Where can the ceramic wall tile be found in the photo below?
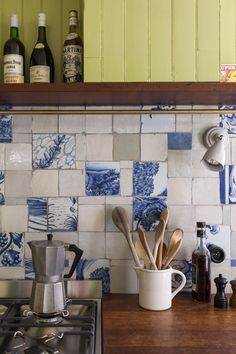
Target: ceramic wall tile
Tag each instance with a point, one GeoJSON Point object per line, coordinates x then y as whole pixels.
{"type": "Point", "coordinates": [45, 183]}
{"type": "Point", "coordinates": [150, 179]}
{"type": "Point", "coordinates": [96, 269]}
{"type": "Point", "coordinates": [18, 157]}
{"type": "Point", "coordinates": [179, 141]}
{"type": "Point", "coordinates": [12, 273]}
{"type": "Point", "coordinates": [22, 138]}
{"type": "Point", "coordinates": [153, 147]}
{"type": "Point", "coordinates": [11, 249]}
{"type": "Point", "coordinates": [2, 188]}
{"type": "Point", "coordinates": [53, 151]}
{"type": "Point", "coordinates": [117, 246]}
{"type": "Point", "coordinates": [158, 123]}
{"type": "Point", "coordinates": [5, 128]}
{"type": "Point", "coordinates": [93, 244]}
{"type": "Point", "coordinates": [184, 266]}
{"type": "Point", "coordinates": [179, 191]}
{"type": "Point", "coordinates": [2, 156]}
{"type": "Point", "coordinates": [18, 184]}
{"type": "Point", "coordinates": [126, 147]}
{"type": "Point", "coordinates": [29, 272]}
{"type": "Point", "coordinates": [232, 217]}
{"type": "Point", "coordinates": [99, 124]}
{"type": "Point", "coordinates": [99, 147]}
{"type": "Point", "coordinates": [146, 212]}
{"type": "Point", "coordinates": [198, 169]}
{"type": "Point", "coordinates": [92, 200]}
{"type": "Point", "coordinates": [228, 185]}
{"type": "Point", "coordinates": [183, 217]}
{"type": "Point", "coordinates": [71, 183]}
{"type": "Point", "coordinates": [14, 218]}
{"type": "Point", "coordinates": [91, 218]}
{"type": "Point", "coordinates": [81, 148]}
{"type": "Point", "coordinates": [233, 247]}
{"type": "Point", "coordinates": [184, 122]}
{"type": "Point", "coordinates": [22, 124]}
{"type": "Point", "coordinates": [45, 124]}
{"type": "Point", "coordinates": [228, 120]}
{"type": "Point", "coordinates": [102, 178]}
{"type": "Point", "coordinates": [126, 124]}
{"type": "Point", "coordinates": [62, 214]}
{"type": "Point", "coordinates": [71, 123]}
{"type": "Point", "coordinates": [179, 163]}
{"type": "Point", "coordinates": [226, 217]}
{"type": "Point", "coordinates": [200, 186]}
{"type": "Point", "coordinates": [110, 227]}
{"type": "Point", "coordinates": [219, 235]}
{"type": "Point", "coordinates": [202, 122]}
{"type": "Point", "coordinates": [126, 182]}
{"type": "Point", "coordinates": [123, 278]}
{"type": "Point", "coordinates": [211, 214]}
{"type": "Point", "coordinates": [37, 214]}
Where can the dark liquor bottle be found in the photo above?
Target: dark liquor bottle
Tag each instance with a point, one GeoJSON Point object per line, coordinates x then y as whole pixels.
{"type": "Point", "coordinates": [201, 267]}
{"type": "Point", "coordinates": [14, 56]}
{"type": "Point", "coordinates": [41, 61]}
{"type": "Point", "coordinates": [73, 52]}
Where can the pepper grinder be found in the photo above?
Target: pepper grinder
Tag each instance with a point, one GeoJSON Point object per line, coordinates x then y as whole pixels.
{"type": "Point", "coordinates": [220, 299]}
{"type": "Point", "coordinates": [232, 300]}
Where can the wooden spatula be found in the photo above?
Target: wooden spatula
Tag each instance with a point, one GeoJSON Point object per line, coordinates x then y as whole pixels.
{"type": "Point", "coordinates": [143, 240]}
{"type": "Point", "coordinates": [165, 217]}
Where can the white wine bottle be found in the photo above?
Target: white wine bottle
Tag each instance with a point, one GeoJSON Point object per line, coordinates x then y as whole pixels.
{"type": "Point", "coordinates": [73, 52]}
{"type": "Point", "coordinates": [41, 61]}
{"type": "Point", "coordinates": [13, 56]}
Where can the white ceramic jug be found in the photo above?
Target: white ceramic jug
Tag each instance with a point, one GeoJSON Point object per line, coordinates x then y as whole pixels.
{"type": "Point", "coordinates": [155, 291]}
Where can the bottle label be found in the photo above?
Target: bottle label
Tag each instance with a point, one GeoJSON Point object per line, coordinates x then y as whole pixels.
{"type": "Point", "coordinates": [72, 63]}
{"type": "Point", "coordinates": [39, 45]}
{"type": "Point", "coordinates": [39, 73]}
{"type": "Point", "coordinates": [13, 68]}
{"type": "Point", "coordinates": [72, 36]}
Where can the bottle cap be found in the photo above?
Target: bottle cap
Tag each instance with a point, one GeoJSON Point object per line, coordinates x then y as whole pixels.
{"type": "Point", "coordinates": [14, 20]}
{"type": "Point", "coordinates": [73, 13]}
{"type": "Point", "coordinates": [42, 19]}
{"type": "Point", "coordinates": [201, 228]}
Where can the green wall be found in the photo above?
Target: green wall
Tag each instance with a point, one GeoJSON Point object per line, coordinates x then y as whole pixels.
{"type": "Point", "coordinates": [135, 40]}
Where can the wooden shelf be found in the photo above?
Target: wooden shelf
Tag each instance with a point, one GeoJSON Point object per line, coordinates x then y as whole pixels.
{"type": "Point", "coordinates": [101, 94]}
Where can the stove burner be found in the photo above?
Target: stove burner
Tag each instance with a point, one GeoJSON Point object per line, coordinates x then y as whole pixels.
{"type": "Point", "coordinates": [21, 330]}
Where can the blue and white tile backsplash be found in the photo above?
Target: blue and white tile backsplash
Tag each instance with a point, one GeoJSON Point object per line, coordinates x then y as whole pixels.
{"type": "Point", "coordinates": [68, 179]}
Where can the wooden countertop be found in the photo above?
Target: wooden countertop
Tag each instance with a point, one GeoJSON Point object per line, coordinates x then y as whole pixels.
{"type": "Point", "coordinates": [187, 328]}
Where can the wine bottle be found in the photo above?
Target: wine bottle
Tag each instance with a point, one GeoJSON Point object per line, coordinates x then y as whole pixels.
{"type": "Point", "coordinates": [13, 55]}
{"type": "Point", "coordinates": [41, 61]}
{"type": "Point", "coordinates": [73, 52]}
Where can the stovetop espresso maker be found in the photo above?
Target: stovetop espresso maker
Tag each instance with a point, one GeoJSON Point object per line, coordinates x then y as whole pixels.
{"type": "Point", "coordinates": [48, 291]}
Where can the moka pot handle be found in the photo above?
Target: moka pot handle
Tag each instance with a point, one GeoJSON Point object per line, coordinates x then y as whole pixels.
{"type": "Point", "coordinates": [78, 253]}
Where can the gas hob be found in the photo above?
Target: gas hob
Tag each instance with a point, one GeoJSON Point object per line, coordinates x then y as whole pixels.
{"type": "Point", "coordinates": [77, 330]}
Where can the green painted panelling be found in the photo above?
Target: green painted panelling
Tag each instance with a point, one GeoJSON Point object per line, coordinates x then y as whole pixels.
{"type": "Point", "coordinates": [113, 40]}
{"type": "Point", "coordinates": [92, 28]}
{"type": "Point", "coordinates": [160, 40]}
{"type": "Point", "coordinates": [31, 10]}
{"type": "Point", "coordinates": [137, 40]}
{"type": "Point", "coordinates": [208, 45]}
{"type": "Point", "coordinates": [227, 31]}
{"type": "Point", "coordinates": [92, 69]}
{"type": "Point", "coordinates": [184, 40]}
{"type": "Point", "coordinates": [53, 10]}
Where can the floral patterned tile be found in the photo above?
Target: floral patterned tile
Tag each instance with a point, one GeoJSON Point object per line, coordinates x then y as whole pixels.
{"type": "Point", "coordinates": [184, 266]}
{"type": "Point", "coordinates": [53, 151]}
{"type": "Point", "coordinates": [38, 213]}
{"type": "Point", "coordinates": [5, 127]}
{"type": "Point", "coordinates": [97, 269]}
{"type": "Point", "coordinates": [2, 182]}
{"type": "Point", "coordinates": [228, 121]}
{"type": "Point", "coordinates": [150, 179]}
{"type": "Point", "coordinates": [228, 185]}
{"type": "Point", "coordinates": [156, 123]}
{"type": "Point", "coordinates": [102, 178]}
{"type": "Point", "coordinates": [146, 212]}
{"type": "Point", "coordinates": [62, 214]}
{"type": "Point", "coordinates": [11, 249]}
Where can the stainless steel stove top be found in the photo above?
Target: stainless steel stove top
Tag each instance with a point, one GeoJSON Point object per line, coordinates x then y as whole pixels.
{"type": "Point", "coordinates": [76, 331]}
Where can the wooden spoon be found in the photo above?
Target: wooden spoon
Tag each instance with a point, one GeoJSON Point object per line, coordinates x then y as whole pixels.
{"type": "Point", "coordinates": [121, 219]}
{"type": "Point", "coordinates": [165, 217]}
{"type": "Point", "coordinates": [158, 237]}
{"type": "Point", "coordinates": [142, 253]}
{"type": "Point", "coordinates": [173, 247]}
{"type": "Point", "coordinates": [143, 240]}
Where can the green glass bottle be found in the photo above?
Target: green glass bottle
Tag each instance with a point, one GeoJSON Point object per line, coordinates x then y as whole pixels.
{"type": "Point", "coordinates": [41, 61]}
{"type": "Point", "coordinates": [13, 55]}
